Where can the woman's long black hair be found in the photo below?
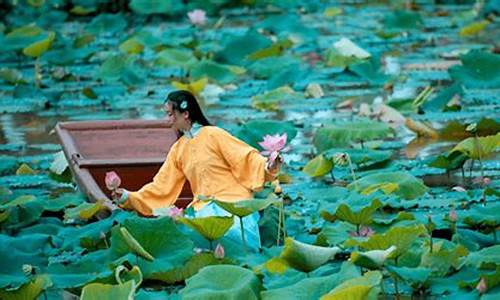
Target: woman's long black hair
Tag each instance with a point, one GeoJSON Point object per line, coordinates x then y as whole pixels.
{"type": "Point", "coordinates": [185, 101]}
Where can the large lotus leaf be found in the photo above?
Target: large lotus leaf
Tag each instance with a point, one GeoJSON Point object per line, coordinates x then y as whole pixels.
{"type": "Point", "coordinates": [305, 257]}
{"type": "Point", "coordinates": [318, 166]}
{"type": "Point", "coordinates": [479, 69]}
{"type": "Point", "coordinates": [486, 216]}
{"type": "Point", "coordinates": [88, 268]}
{"type": "Point", "coordinates": [401, 237]}
{"type": "Point", "coordinates": [361, 288]}
{"type": "Point", "coordinates": [212, 228]}
{"type": "Point", "coordinates": [456, 130]}
{"type": "Point", "coordinates": [215, 71]}
{"type": "Point", "coordinates": [176, 58]}
{"type": "Point", "coordinates": [402, 19]}
{"type": "Point", "coordinates": [68, 55]}
{"type": "Point", "coordinates": [478, 148]}
{"type": "Point", "coordinates": [30, 290]}
{"type": "Point", "coordinates": [222, 282]}
{"type": "Point", "coordinates": [38, 48]}
{"type": "Point", "coordinates": [451, 161]}
{"type": "Point", "coordinates": [236, 48]}
{"type": "Point", "coordinates": [170, 248]}
{"type": "Point", "coordinates": [84, 211]}
{"type": "Point", "coordinates": [247, 207]}
{"type": "Point", "coordinates": [440, 260]}
{"type": "Point", "coordinates": [370, 71]}
{"type": "Point", "coordinates": [334, 58]}
{"type": "Point", "coordinates": [12, 76]}
{"type": "Point", "coordinates": [408, 187]}
{"type": "Point", "coordinates": [274, 50]}
{"type": "Point", "coordinates": [110, 23]}
{"type": "Point", "coordinates": [362, 158]}
{"type": "Point", "coordinates": [373, 259]}
{"type": "Point", "coordinates": [97, 291]}
{"type": "Point", "coordinates": [486, 258]}
{"type": "Point", "coordinates": [148, 7]}
{"type": "Point", "coordinates": [361, 217]}
{"type": "Point", "coordinates": [334, 234]}
{"type": "Point", "coordinates": [440, 101]}
{"type": "Point", "coordinates": [114, 67]}
{"type": "Point", "coordinates": [313, 288]}
{"type": "Point", "coordinates": [21, 37]}
{"type": "Point", "coordinates": [189, 268]}
{"type": "Point", "coordinates": [342, 134]}
{"type": "Point", "coordinates": [253, 132]}
{"type": "Point", "coordinates": [416, 276]}
{"type": "Point", "coordinates": [270, 66]}
{"type": "Point", "coordinates": [15, 252]}
{"type": "Point", "coordinates": [134, 246]}
{"type": "Point", "coordinates": [271, 100]}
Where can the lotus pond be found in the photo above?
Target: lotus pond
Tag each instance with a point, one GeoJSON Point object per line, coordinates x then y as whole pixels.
{"type": "Point", "coordinates": [389, 191]}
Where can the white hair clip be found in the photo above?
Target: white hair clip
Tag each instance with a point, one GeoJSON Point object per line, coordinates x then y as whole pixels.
{"type": "Point", "coordinates": [184, 104]}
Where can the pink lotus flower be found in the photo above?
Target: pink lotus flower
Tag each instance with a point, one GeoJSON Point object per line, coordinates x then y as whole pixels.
{"type": "Point", "coordinates": [481, 286]}
{"type": "Point", "coordinates": [273, 145]}
{"type": "Point", "coordinates": [175, 212]}
{"type": "Point", "coordinates": [364, 231]}
{"type": "Point", "coordinates": [482, 180]}
{"type": "Point", "coordinates": [112, 180]}
{"type": "Point", "coordinates": [219, 251]}
{"type": "Point", "coordinates": [197, 17]}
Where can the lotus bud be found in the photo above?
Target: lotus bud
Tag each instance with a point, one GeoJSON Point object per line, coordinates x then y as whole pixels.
{"type": "Point", "coordinates": [340, 158]}
{"type": "Point", "coordinates": [28, 269]}
{"type": "Point", "coordinates": [486, 180]}
{"type": "Point", "coordinates": [219, 251]}
{"type": "Point", "coordinates": [452, 215]}
{"type": "Point", "coordinates": [112, 180]}
{"type": "Point", "coordinates": [102, 235]}
{"type": "Point", "coordinates": [314, 90]}
{"type": "Point", "coordinates": [481, 286]}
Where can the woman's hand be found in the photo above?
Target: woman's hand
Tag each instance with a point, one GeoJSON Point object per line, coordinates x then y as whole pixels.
{"type": "Point", "coordinates": [274, 165]}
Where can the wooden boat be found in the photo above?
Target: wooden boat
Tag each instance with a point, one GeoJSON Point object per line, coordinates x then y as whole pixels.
{"type": "Point", "coordinates": [134, 149]}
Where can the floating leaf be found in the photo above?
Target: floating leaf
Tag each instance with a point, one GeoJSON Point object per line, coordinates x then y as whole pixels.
{"type": "Point", "coordinates": [30, 290]}
{"type": "Point", "coordinates": [24, 169]}
{"type": "Point", "coordinates": [342, 134]}
{"type": "Point", "coordinates": [131, 46]}
{"type": "Point", "coordinates": [362, 217]}
{"type": "Point", "coordinates": [474, 28]}
{"type": "Point", "coordinates": [38, 48]}
{"type": "Point", "coordinates": [134, 245]}
{"type": "Point", "coordinates": [195, 87]}
{"type": "Point", "coordinates": [271, 100]}
{"type": "Point", "coordinates": [408, 187]}
{"type": "Point", "coordinates": [365, 287]}
{"type": "Point", "coordinates": [478, 148]}
{"type": "Point", "coordinates": [479, 69]}
{"type": "Point", "coordinates": [222, 282]}
{"type": "Point", "coordinates": [174, 57]}
{"type": "Point", "coordinates": [318, 166]}
{"type": "Point", "coordinates": [95, 291]}
{"type": "Point", "coordinates": [373, 259]}
{"type": "Point", "coordinates": [305, 257]}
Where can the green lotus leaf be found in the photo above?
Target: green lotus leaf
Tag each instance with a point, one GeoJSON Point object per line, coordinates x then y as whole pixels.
{"type": "Point", "coordinates": [222, 282]}
{"type": "Point", "coordinates": [449, 162]}
{"type": "Point", "coordinates": [362, 158]}
{"type": "Point", "coordinates": [401, 237]}
{"type": "Point", "coordinates": [212, 228]}
{"type": "Point", "coordinates": [479, 69]}
{"type": "Point", "coordinates": [370, 71]}
{"type": "Point", "coordinates": [483, 216]}
{"type": "Point", "coordinates": [343, 134]}
{"type": "Point", "coordinates": [333, 58]}
{"type": "Point", "coordinates": [131, 46]}
{"type": "Point", "coordinates": [253, 132]}
{"type": "Point", "coordinates": [38, 48]}
{"type": "Point", "coordinates": [274, 50]}
{"type": "Point", "coordinates": [107, 23]}
{"type": "Point", "coordinates": [486, 258]}
{"type": "Point", "coordinates": [12, 76]}
{"type": "Point", "coordinates": [134, 246]}
{"type": "Point", "coordinates": [170, 249]}
{"type": "Point", "coordinates": [408, 187]}
{"type": "Point", "coordinates": [188, 269]}
{"type": "Point", "coordinates": [148, 7]}
{"type": "Point", "coordinates": [416, 276]}
{"type": "Point", "coordinates": [313, 287]}
{"type": "Point", "coordinates": [373, 259]}
{"type": "Point", "coordinates": [305, 257]}
{"type": "Point", "coordinates": [236, 48]}
{"type": "Point", "coordinates": [478, 148]}
{"type": "Point", "coordinates": [97, 291]}
{"type": "Point", "coordinates": [247, 207]}
{"type": "Point", "coordinates": [441, 259]}
{"type": "Point", "coordinates": [271, 100]}
{"type": "Point", "coordinates": [84, 211]}
{"type": "Point", "coordinates": [360, 288]}
{"type": "Point", "coordinates": [362, 217]}
{"type": "Point", "coordinates": [173, 57]}
{"type": "Point", "coordinates": [318, 166]}
{"type": "Point", "coordinates": [30, 290]}
{"type": "Point", "coordinates": [215, 71]}
{"type": "Point", "coordinates": [402, 20]}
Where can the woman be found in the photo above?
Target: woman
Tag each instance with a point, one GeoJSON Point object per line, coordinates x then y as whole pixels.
{"type": "Point", "coordinates": [215, 163]}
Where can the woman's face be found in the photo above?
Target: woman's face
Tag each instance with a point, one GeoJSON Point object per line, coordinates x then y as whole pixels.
{"type": "Point", "coordinates": [176, 119]}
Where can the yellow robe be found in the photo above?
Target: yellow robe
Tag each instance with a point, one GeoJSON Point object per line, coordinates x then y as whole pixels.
{"type": "Point", "coordinates": [215, 163]}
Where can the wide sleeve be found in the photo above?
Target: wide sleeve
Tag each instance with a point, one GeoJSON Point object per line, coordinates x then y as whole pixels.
{"type": "Point", "coordinates": [162, 191]}
{"type": "Point", "coordinates": [247, 165]}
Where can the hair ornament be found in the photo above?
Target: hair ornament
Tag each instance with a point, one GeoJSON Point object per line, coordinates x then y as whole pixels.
{"type": "Point", "coordinates": [184, 104]}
